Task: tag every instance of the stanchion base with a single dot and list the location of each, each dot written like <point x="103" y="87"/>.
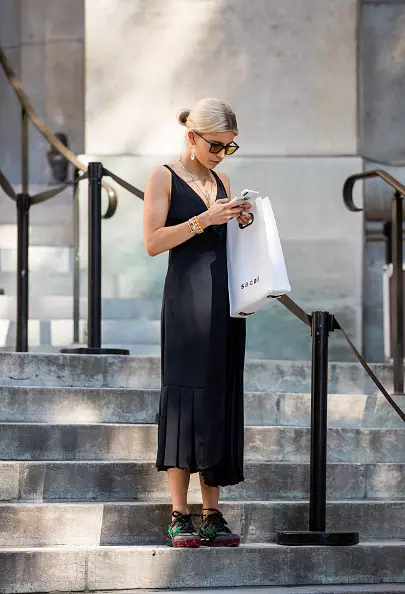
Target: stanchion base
<point x="306" y="538"/>
<point x="94" y="351"/>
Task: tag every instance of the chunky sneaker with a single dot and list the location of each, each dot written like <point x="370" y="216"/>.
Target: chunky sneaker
<point x="182" y="532"/>
<point x="214" y="531"/>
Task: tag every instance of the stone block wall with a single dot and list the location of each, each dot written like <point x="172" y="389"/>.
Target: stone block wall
<point x="290" y="71"/>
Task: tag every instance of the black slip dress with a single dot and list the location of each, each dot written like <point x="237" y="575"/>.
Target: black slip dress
<point x="201" y="425"/>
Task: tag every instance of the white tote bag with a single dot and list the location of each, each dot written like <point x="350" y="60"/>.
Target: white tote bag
<point x="256" y="266"/>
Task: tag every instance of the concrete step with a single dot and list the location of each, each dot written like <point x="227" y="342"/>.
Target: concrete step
<point x="61" y="308"/>
<point x="125" y="405"/>
<point x="134" y="481"/>
<point x="59" y="333"/>
<point x="357" y="589"/>
<point x="21" y="369"/>
<point x="137" y="350"/>
<point x="39" y="235"/>
<point x="111" y="568"/>
<point x="106" y="441"/>
<point x="138" y="523"/>
<point x="41" y="259"/>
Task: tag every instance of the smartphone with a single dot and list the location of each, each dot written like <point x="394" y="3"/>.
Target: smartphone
<point x="247" y="195"/>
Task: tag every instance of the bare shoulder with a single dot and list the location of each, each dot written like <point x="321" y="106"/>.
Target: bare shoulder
<point x="223" y="177"/>
<point x="159" y="174"/>
<point x="226" y="181"/>
<point x="158" y="185"/>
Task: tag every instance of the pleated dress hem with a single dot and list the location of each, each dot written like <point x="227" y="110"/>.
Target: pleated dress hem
<point x="187" y="432"/>
<point x="204" y="472"/>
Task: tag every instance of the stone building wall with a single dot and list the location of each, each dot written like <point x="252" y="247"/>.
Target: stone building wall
<point x="289" y="69"/>
<point x="317" y="86"/>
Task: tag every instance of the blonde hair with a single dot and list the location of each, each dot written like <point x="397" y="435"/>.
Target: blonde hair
<point x="209" y="116"/>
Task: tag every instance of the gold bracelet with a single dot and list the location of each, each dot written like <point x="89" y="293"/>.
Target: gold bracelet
<point x="195" y="226"/>
<point x="197" y="223"/>
<point x="191" y="228"/>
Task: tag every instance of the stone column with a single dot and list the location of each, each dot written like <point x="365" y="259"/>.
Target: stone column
<point x="382" y="133"/>
<point x="10" y="39"/>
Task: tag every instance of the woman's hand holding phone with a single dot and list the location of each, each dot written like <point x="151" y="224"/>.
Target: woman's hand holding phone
<point x="222" y="211"/>
<point x="245" y="217"/>
<point x="248" y="196"/>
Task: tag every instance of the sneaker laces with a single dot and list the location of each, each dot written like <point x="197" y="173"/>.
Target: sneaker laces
<point x="184" y="522"/>
<point x="215" y="520"/>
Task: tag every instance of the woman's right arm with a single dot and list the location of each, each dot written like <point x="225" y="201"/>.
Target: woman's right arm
<point x="157" y="237"/>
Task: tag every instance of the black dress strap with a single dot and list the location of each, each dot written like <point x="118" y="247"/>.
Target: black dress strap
<point x="220" y="183"/>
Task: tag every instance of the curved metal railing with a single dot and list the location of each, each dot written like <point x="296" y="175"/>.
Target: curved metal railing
<point x="397" y="262"/>
<point x="321" y="324"/>
<point x="24" y="201"/>
<point x="29" y="113"/>
<point x="349" y="184"/>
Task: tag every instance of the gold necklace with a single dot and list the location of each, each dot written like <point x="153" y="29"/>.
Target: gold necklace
<point x="203" y="192"/>
<point x="203" y="180"/>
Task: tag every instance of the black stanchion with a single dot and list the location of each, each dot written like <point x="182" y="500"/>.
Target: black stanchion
<point x="23" y="209"/>
<point x="95" y="173"/>
<point x="23" y="203"/>
<point x="319" y="421"/>
<point x="76" y="259"/>
<point x="322" y="324"/>
<point x="398" y="291"/>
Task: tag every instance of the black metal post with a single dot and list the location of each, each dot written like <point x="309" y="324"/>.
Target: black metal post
<point x="319" y="422"/>
<point x="95" y="174"/>
<point x="24" y="151"/>
<point x="322" y="324"/>
<point x="94" y="255"/>
<point x="76" y="259"/>
<point x="23" y="205"/>
<point x="398" y="290"/>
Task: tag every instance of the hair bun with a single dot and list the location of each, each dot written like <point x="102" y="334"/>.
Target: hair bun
<point x="183" y="116"/>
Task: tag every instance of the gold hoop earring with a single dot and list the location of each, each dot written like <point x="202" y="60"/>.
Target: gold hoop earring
<point x="192" y="153"/>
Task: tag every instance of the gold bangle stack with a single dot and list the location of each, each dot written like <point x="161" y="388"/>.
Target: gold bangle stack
<point x="194" y="226"/>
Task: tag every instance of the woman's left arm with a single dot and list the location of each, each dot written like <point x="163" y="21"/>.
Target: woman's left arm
<point x="244" y="217"/>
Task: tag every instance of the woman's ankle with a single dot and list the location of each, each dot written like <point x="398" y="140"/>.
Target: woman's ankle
<point x="179" y="510"/>
<point x="208" y="511"/>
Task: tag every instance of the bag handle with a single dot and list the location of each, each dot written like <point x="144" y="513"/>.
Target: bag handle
<point x="243" y="226"/>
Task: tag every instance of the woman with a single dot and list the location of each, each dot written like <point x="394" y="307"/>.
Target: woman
<point x="201" y="403"/>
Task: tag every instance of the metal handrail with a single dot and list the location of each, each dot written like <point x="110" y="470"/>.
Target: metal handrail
<point x="349" y="183"/>
<point x="24" y="201"/>
<point x="30" y="112"/>
<point x="397" y="259"/>
<point x="321" y="324"/>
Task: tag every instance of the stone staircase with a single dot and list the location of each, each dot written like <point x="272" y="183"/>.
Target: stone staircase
<point x="83" y="508"/>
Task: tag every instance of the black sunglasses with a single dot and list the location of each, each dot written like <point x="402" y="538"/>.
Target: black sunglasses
<point x="217" y="147"/>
